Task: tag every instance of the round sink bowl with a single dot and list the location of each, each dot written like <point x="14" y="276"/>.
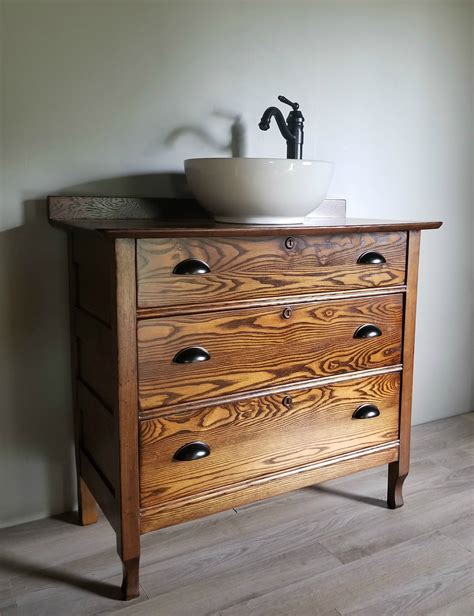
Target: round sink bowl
<point x="267" y="191"/>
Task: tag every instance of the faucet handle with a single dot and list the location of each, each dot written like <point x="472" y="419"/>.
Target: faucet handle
<point x="283" y="99"/>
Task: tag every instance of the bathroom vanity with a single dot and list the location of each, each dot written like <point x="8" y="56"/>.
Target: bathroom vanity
<point x="215" y="365"/>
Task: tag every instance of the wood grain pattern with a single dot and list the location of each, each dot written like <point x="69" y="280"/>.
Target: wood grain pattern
<point x="278" y="319"/>
<point x="278" y="300"/>
<point x="398" y="471"/>
<point x="251" y="268"/>
<point x="116" y="208"/>
<point x="286" y="388"/>
<point x="256" y="437"/>
<point x="182" y="510"/>
<point x="126" y="414"/>
<point x="253" y="348"/>
<point x="119" y="208"/>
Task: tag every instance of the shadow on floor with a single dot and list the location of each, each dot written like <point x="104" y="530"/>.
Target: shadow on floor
<point x="69" y="517"/>
<point x="368" y="500"/>
<point x="15" y="566"/>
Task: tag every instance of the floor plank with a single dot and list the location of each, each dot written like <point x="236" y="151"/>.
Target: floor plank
<point x="462" y="530"/>
<point x="254" y="564"/>
<point x="444" y="592"/>
<point x="431" y="440"/>
<point x="7" y="602"/>
<point x="53" y="541"/>
<point x="440" y="501"/>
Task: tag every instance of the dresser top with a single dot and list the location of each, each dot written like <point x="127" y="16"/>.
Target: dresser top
<point x="121" y="217"/>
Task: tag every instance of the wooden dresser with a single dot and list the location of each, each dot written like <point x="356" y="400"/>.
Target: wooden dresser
<point x="214" y="365"/>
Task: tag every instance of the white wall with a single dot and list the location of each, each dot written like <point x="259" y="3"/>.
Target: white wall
<point x="92" y="89"/>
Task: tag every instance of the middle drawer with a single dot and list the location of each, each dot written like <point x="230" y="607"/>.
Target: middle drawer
<point x="202" y="356"/>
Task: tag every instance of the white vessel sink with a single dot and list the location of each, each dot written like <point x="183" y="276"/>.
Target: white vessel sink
<point x="258" y="190"/>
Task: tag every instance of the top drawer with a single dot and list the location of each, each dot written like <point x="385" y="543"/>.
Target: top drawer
<point x="243" y="269"/>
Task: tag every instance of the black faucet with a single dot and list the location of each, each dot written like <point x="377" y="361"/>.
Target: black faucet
<point x="291" y="130"/>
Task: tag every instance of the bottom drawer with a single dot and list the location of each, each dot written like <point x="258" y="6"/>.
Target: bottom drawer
<point x="255" y="437"/>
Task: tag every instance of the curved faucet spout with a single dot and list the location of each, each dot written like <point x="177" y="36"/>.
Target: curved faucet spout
<point x="291" y="130"/>
<point x="274" y="112"/>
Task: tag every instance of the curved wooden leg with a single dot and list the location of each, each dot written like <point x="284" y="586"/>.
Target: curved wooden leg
<point x="130" y="586"/>
<point x="87" y="504"/>
<point x="395" y="485"/>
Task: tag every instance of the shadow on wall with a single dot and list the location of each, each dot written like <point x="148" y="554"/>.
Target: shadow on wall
<point x="169" y="184"/>
<point x="236" y="144"/>
<point x="34" y="353"/>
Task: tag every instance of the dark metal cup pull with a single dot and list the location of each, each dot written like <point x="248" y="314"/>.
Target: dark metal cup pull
<point x="367" y="331"/>
<point x="192" y="451"/>
<point x="371" y="258"/>
<point x="191" y="355"/>
<point x="366" y="411"/>
<point x="192" y="267"/>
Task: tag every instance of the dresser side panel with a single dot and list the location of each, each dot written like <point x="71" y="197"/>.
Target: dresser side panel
<point x="409" y="348"/>
<point x="93" y="368"/>
<point x="92" y="257"/>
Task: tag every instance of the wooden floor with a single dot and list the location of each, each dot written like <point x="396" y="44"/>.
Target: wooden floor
<point x="329" y="550"/>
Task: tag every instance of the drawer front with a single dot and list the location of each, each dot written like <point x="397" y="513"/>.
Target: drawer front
<point x="256" y="437"/>
<point x="243" y="269"/>
<point x="244" y="350"/>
